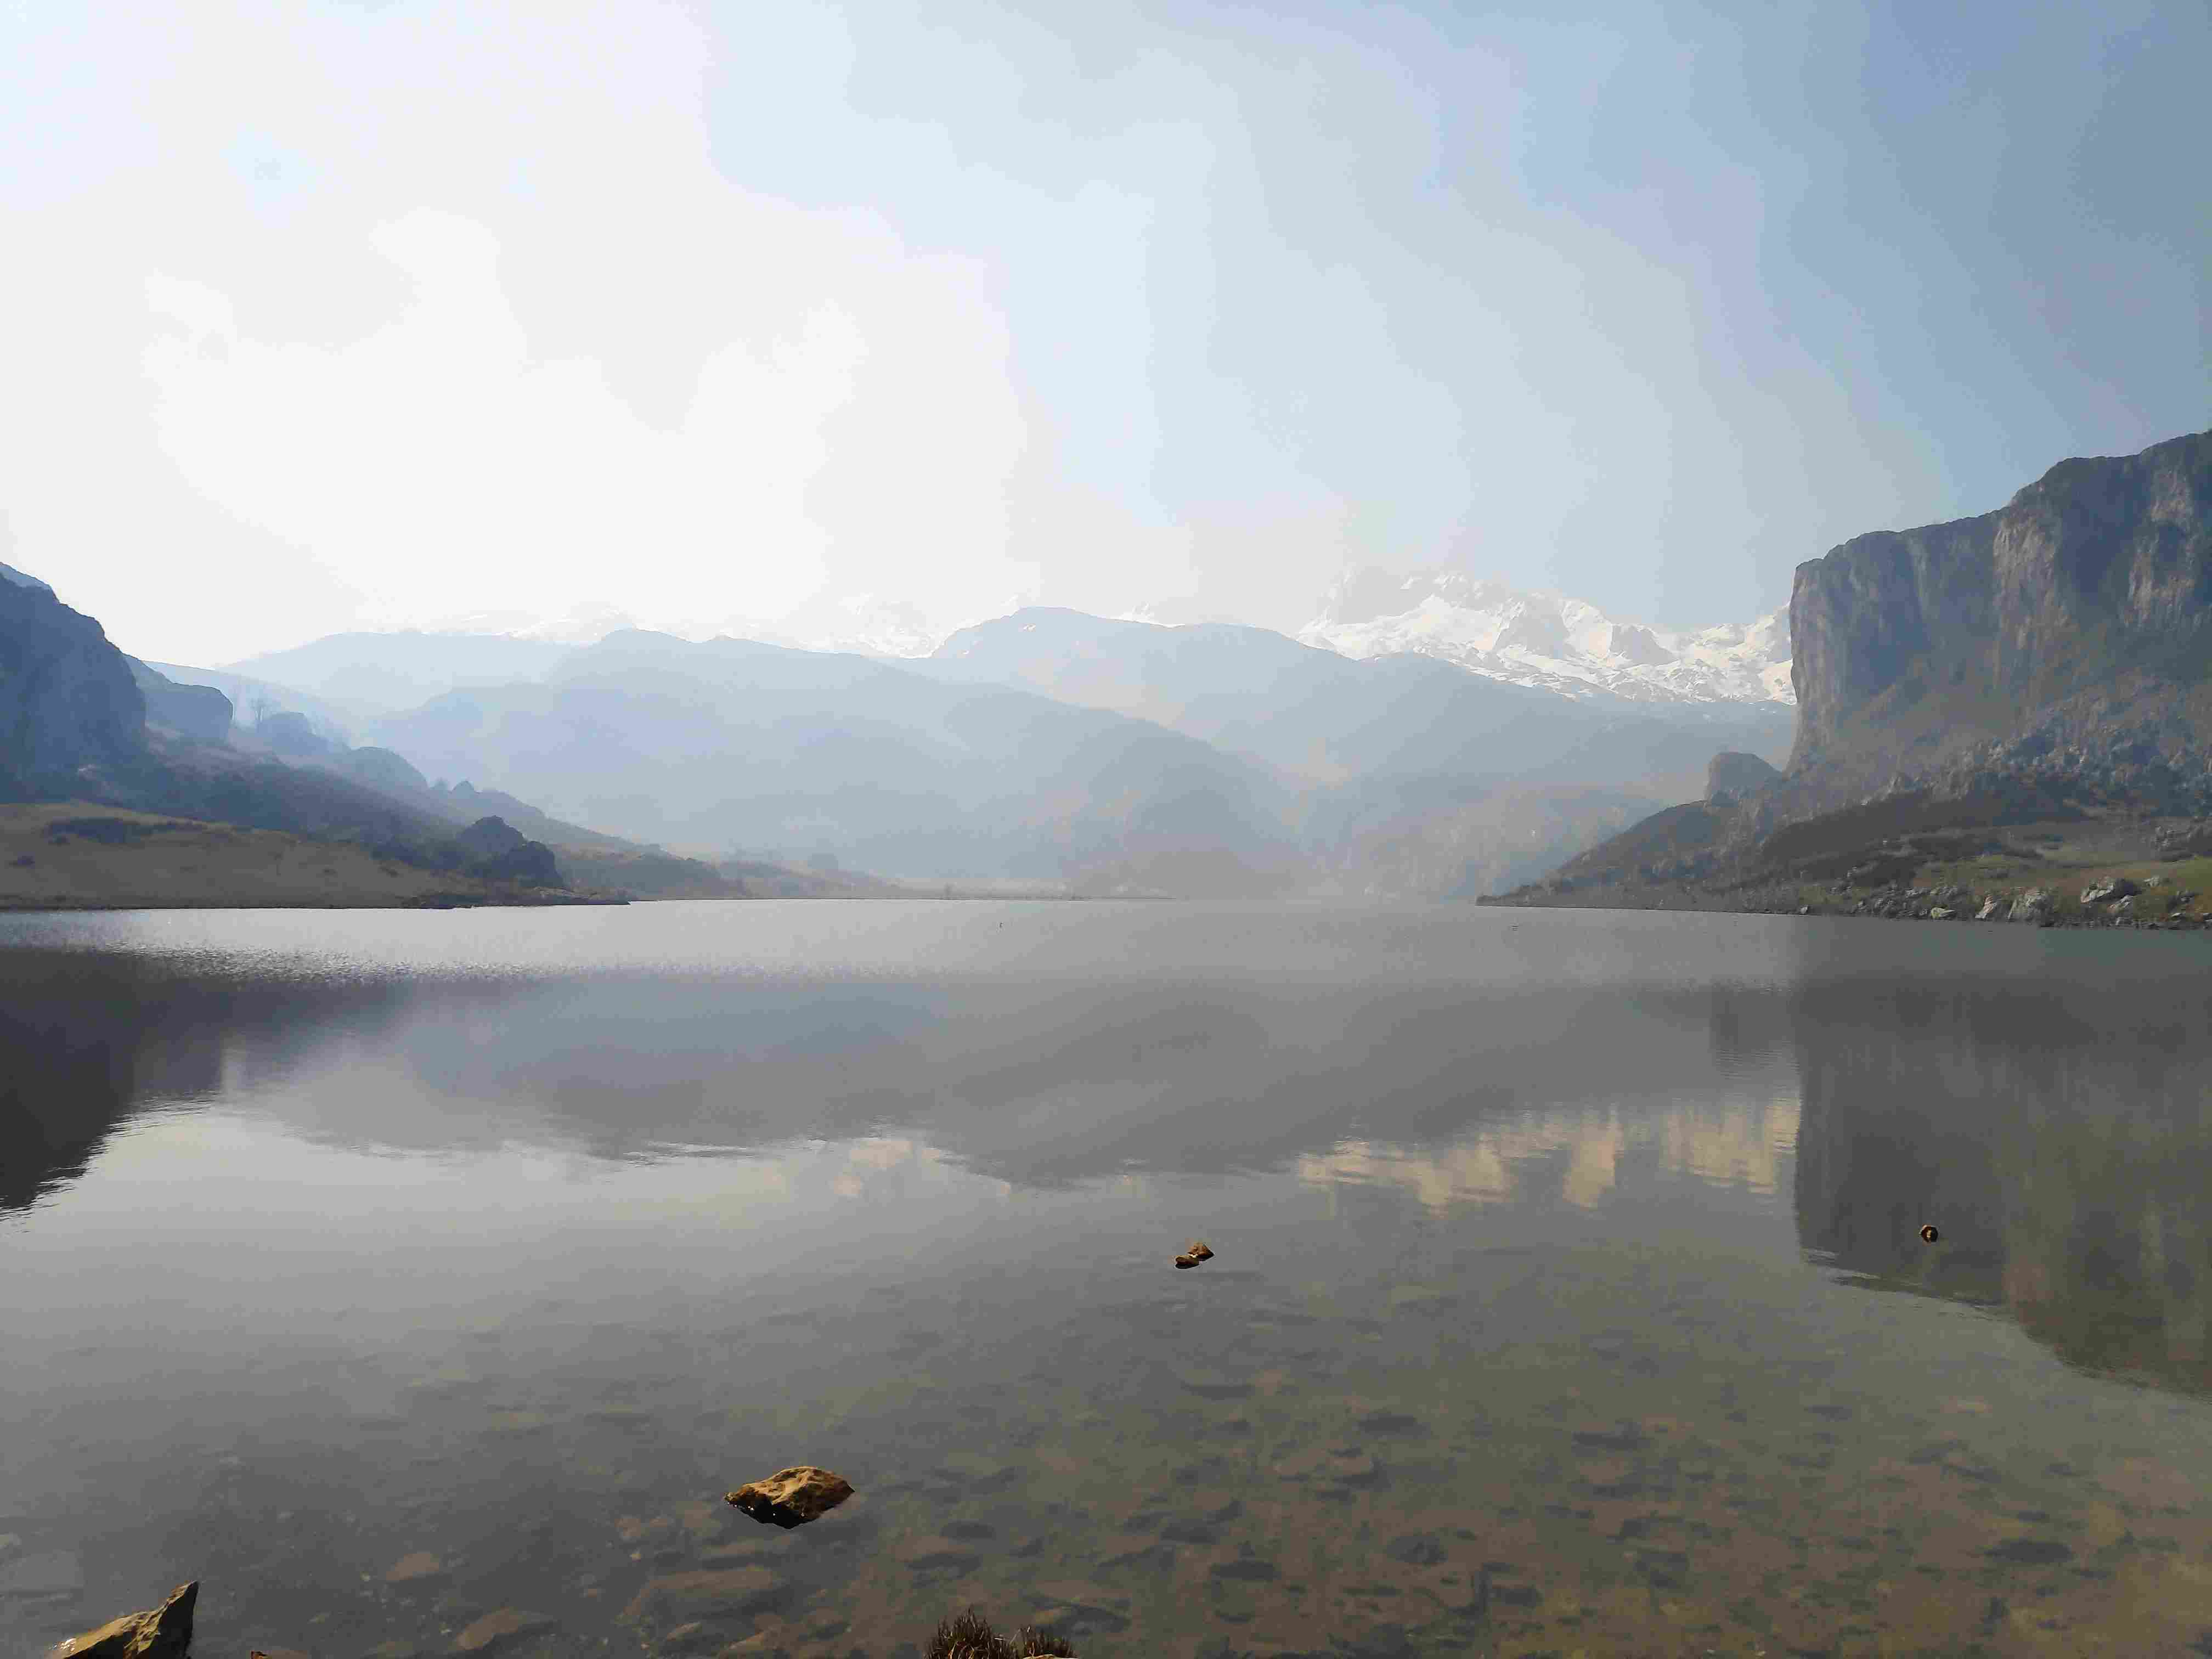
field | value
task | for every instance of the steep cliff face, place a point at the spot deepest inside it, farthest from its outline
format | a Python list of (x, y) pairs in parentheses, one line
[(197, 712), (67, 698), (2079, 615)]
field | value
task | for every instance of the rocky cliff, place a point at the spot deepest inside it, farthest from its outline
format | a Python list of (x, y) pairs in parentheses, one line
[(2075, 621), (67, 697), (197, 712)]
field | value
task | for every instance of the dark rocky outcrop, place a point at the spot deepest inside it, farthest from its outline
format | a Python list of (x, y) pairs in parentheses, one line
[(1733, 773), (489, 837), (199, 713), (502, 853), (67, 697)]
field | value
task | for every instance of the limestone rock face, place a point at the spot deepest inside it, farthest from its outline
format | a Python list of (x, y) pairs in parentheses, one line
[(67, 697), (2080, 612), (1734, 773), (792, 1497), (161, 1633)]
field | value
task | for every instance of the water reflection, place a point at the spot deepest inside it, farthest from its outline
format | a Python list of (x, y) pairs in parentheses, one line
[(2060, 1138), (2060, 1141), (316, 1270)]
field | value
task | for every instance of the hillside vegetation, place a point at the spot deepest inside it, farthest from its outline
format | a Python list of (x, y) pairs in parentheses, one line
[(82, 856)]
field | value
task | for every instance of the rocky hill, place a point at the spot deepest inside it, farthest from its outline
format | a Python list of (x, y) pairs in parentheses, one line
[(84, 727), (2047, 664), (68, 700)]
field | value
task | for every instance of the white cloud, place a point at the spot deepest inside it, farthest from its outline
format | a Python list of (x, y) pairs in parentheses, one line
[(516, 343)]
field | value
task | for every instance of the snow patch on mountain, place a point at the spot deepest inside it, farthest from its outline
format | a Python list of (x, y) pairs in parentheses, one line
[(1550, 641)]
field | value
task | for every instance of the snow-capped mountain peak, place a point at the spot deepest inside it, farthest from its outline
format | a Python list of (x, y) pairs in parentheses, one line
[(1549, 641)]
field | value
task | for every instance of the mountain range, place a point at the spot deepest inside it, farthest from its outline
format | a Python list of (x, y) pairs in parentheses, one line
[(1046, 744), (1549, 641), (1539, 639), (1428, 734)]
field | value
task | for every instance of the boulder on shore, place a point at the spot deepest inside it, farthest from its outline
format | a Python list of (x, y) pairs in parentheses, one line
[(2103, 892), (162, 1632), (792, 1497), (2034, 905)]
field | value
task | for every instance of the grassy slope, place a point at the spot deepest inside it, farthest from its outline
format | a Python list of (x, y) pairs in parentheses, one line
[(152, 861)]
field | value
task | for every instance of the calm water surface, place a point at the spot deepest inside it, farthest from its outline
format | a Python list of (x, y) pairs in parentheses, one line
[(387, 1271)]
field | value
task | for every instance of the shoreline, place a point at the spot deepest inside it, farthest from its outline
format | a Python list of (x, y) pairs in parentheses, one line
[(456, 902)]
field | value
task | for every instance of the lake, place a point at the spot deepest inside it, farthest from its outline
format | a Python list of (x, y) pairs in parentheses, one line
[(419, 1281)]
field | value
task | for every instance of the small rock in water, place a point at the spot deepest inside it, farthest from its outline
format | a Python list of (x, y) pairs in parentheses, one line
[(792, 1497), (162, 1632), (408, 1568), (495, 1630), (1196, 1251)]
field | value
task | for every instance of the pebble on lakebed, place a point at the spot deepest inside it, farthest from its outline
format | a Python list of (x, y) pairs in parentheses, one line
[(792, 1497), (1196, 1251)]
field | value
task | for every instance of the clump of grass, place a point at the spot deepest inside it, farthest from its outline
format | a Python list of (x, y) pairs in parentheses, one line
[(968, 1635)]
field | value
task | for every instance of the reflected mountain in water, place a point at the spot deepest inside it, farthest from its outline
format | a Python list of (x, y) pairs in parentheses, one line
[(2052, 1123), (2060, 1141), (88, 1041)]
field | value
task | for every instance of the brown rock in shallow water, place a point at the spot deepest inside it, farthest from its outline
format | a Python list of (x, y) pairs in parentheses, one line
[(162, 1632), (1196, 1251), (495, 1631), (792, 1497)]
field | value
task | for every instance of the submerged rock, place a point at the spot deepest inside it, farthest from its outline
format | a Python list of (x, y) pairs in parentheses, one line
[(162, 1632), (1196, 1251), (792, 1497), (496, 1630)]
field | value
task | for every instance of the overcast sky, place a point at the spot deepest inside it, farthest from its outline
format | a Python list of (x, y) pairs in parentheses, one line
[(320, 316)]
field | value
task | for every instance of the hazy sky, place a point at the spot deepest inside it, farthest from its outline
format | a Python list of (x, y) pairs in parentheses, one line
[(321, 315)]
